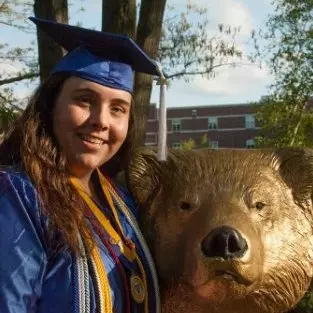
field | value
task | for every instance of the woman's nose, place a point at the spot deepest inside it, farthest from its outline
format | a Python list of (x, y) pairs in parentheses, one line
[(100, 118)]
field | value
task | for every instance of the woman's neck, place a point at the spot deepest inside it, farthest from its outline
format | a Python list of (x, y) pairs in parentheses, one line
[(88, 186), (84, 179)]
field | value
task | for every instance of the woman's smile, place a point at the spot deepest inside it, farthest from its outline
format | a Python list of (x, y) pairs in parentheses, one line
[(91, 139)]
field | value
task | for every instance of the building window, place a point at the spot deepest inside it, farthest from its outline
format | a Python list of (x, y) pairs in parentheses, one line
[(212, 122), (176, 125), (151, 139), (176, 145), (250, 144), (214, 144), (250, 121)]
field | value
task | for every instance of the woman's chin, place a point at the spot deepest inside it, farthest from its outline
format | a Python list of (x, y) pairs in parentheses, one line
[(85, 165)]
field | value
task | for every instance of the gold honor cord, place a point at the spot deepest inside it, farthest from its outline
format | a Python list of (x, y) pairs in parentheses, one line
[(138, 286), (104, 221)]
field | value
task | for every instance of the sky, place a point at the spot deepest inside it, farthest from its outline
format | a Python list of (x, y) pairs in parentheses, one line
[(242, 84)]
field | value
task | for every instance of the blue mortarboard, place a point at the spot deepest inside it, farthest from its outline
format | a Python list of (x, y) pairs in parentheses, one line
[(107, 59)]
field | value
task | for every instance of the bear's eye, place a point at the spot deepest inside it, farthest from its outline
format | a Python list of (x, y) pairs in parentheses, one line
[(259, 205), (185, 206)]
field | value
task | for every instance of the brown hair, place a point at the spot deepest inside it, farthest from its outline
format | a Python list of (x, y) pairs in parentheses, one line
[(31, 146)]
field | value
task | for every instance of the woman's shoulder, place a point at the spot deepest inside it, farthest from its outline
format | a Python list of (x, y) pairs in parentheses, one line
[(19, 200), (22, 242), (13, 174), (14, 181)]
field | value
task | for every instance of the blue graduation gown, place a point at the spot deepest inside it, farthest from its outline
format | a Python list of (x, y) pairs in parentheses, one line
[(32, 279)]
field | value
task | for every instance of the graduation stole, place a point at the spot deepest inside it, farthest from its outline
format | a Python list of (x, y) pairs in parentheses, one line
[(112, 236)]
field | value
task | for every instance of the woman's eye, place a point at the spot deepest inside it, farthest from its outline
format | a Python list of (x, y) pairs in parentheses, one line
[(118, 109), (86, 100), (83, 100), (259, 205)]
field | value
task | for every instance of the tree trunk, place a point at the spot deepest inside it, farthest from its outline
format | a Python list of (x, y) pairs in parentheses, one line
[(148, 38), (301, 107), (49, 53), (119, 17)]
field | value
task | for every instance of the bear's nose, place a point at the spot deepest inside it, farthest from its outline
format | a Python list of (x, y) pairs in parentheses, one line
[(224, 242)]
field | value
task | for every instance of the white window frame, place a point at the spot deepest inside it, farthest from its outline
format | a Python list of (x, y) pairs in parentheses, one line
[(213, 144), (250, 121), (176, 145), (212, 122), (194, 112), (250, 143), (176, 125)]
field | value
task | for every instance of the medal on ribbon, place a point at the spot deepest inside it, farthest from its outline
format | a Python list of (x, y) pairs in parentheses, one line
[(137, 288)]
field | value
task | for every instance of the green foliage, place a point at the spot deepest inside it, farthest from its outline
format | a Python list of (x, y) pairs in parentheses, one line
[(286, 116), (306, 304), (204, 142), (7, 116), (290, 39), (285, 123), (8, 109), (188, 144)]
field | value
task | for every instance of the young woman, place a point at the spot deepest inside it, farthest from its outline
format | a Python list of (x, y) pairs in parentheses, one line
[(68, 237)]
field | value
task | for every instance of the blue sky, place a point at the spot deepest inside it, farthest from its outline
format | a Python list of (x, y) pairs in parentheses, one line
[(231, 85)]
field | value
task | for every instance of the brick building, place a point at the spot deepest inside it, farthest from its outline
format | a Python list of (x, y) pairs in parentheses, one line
[(226, 126)]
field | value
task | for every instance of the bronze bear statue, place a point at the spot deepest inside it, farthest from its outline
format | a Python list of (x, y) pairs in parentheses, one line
[(231, 231)]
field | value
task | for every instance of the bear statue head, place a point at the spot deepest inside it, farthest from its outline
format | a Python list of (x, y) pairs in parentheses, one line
[(230, 230)]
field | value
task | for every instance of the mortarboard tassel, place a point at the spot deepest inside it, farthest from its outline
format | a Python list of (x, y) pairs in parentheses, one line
[(162, 133)]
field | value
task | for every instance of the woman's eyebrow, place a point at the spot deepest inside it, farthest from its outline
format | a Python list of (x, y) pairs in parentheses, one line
[(121, 101), (116, 100), (84, 90)]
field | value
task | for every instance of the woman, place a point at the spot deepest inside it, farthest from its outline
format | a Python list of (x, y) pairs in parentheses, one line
[(69, 241)]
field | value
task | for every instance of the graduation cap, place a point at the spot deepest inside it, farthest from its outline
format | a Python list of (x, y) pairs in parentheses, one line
[(105, 58)]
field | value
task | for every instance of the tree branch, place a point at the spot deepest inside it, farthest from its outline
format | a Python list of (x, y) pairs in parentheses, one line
[(18, 78), (207, 71), (14, 25)]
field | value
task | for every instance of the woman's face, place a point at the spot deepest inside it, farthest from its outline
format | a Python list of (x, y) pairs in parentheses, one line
[(90, 122)]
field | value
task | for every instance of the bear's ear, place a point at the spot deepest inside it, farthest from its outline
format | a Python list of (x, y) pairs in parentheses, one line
[(143, 175), (295, 166)]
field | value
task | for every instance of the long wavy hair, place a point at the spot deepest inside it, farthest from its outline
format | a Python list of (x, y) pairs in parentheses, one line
[(31, 146)]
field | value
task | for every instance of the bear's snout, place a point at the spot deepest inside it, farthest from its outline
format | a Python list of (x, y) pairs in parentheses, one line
[(224, 242)]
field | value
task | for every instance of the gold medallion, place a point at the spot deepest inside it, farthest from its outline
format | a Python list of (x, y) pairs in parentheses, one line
[(137, 288)]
